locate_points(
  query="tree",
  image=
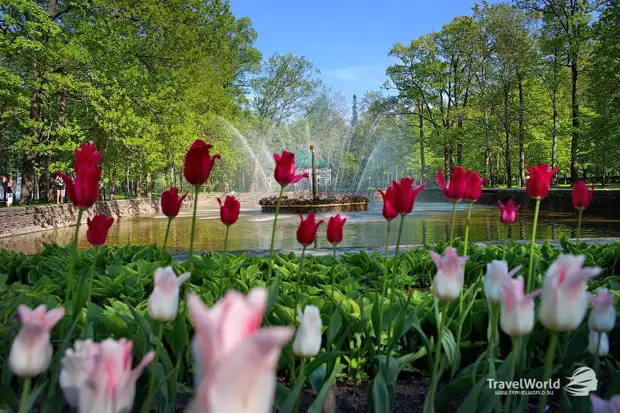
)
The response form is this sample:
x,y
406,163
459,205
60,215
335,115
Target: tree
x,y
573,16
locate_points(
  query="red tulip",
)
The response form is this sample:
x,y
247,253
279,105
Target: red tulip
x,y
508,213
229,211
84,190
455,190
306,233
473,186
335,227
582,196
405,195
98,229
389,212
198,163
537,186
171,203
285,169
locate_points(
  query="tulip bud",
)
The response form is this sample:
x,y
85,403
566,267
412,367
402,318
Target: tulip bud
x,y
31,351
163,302
284,172
537,185
229,210
389,212
605,406
603,315
497,274
97,377
448,280
405,195
581,196
564,299
198,163
306,233
473,186
171,203
593,343
98,229
308,338
83,191
508,213
457,186
335,227
517,309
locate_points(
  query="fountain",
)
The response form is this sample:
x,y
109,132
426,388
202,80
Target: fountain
x,y
316,203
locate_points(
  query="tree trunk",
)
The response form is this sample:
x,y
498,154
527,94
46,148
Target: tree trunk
x,y
459,154
554,133
521,134
574,148
148,184
127,183
173,182
28,170
422,160
446,161
139,186
507,137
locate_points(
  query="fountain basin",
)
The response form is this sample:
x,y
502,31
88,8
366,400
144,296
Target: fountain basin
x,y
346,203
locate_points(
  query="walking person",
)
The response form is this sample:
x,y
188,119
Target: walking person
x,y
60,189
10,185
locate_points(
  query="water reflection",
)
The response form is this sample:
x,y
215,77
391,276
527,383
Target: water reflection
x,y
430,223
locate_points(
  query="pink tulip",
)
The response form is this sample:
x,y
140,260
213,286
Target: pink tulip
x,y
605,406
448,280
564,299
517,309
163,302
236,359
97,377
603,315
497,275
31,351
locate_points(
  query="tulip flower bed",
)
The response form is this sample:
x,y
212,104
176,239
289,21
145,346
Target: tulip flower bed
x,y
359,318
123,281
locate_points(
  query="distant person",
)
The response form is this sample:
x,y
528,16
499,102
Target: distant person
x,y
10,185
3,188
60,189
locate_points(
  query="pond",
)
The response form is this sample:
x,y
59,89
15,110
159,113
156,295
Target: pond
x,y
429,223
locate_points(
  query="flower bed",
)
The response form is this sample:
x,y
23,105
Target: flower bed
x,y
345,203
123,280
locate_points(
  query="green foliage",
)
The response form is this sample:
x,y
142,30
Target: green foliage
x,y
124,277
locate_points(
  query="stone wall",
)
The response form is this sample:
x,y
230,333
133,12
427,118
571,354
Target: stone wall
x,y
23,220
605,202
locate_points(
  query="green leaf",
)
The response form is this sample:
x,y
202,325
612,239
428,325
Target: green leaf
x,y
335,324
380,397
319,403
293,397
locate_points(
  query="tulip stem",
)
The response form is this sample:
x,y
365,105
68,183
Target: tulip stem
x,y
579,216
453,222
335,246
516,350
226,238
532,244
542,403
275,219
163,248
300,377
73,258
505,244
301,263
191,235
25,393
467,229
393,281
494,316
387,245
597,360
443,313
146,407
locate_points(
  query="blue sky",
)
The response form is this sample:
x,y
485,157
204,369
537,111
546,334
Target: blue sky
x,y
347,40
